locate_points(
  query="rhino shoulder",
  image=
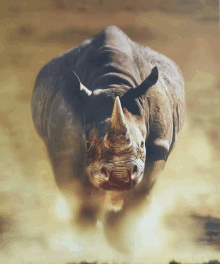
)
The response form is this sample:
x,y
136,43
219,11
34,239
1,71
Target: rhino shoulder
x,y
49,81
169,73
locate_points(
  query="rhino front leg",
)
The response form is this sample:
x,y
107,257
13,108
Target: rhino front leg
x,y
119,226
72,182
88,208
115,231
85,217
85,209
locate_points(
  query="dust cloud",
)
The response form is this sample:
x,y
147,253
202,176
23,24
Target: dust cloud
x,y
182,221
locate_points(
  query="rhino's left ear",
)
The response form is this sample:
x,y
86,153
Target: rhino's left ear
x,y
142,88
75,88
84,92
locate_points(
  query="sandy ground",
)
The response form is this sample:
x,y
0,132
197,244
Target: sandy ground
x,y
185,206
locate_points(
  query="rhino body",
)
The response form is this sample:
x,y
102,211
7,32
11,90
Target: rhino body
x,y
110,112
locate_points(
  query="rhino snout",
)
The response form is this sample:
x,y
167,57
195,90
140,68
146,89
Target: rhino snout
x,y
105,173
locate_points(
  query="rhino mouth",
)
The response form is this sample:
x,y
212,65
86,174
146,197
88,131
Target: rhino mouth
x,y
116,187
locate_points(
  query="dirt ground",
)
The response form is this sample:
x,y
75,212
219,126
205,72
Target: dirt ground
x,y
183,221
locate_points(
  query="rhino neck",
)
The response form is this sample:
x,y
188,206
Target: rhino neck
x,y
109,79
110,65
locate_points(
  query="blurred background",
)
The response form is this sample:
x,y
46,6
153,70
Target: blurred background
x,y
183,221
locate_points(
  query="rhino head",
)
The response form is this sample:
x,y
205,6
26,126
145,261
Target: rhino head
x,y
114,136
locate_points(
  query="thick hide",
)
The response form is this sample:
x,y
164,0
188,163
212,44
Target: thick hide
x,y
110,112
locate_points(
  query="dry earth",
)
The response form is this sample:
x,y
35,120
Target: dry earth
x,y
183,221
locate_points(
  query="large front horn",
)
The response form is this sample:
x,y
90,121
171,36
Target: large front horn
x,y
118,123
118,130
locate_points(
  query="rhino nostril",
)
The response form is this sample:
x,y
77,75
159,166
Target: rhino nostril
x,y
104,172
134,172
135,169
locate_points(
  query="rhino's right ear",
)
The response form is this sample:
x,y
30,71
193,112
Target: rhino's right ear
x,y
143,87
128,98
76,88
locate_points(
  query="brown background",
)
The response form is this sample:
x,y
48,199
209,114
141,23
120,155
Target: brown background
x,y
187,194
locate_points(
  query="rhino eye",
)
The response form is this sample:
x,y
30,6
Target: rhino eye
x,y
88,146
142,144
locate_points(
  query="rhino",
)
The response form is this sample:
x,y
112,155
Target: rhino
x,y
110,112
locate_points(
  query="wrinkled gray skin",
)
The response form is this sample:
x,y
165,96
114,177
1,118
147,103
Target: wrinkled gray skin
x,y
110,112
